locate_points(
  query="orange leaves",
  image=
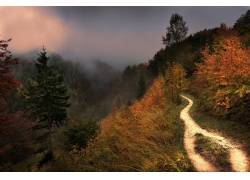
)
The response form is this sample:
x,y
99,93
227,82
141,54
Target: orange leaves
x,y
129,116
235,62
223,101
153,97
229,65
225,71
7,80
136,108
7,84
206,71
14,132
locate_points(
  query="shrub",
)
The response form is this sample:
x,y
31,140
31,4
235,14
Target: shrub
x,y
79,133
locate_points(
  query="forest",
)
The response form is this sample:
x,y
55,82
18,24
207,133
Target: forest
x,y
57,115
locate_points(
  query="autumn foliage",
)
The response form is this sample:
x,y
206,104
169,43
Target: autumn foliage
x,y
229,65
138,137
7,80
7,84
14,134
176,82
225,76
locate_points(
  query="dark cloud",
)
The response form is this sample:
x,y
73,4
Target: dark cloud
x,y
119,35
130,35
148,17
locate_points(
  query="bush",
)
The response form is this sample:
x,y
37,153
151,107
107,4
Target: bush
x,y
79,133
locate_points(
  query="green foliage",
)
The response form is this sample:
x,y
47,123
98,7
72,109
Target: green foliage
x,y
47,98
229,103
127,82
79,133
177,30
47,158
157,65
91,90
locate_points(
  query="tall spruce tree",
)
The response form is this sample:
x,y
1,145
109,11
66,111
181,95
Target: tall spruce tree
x,y
47,100
141,87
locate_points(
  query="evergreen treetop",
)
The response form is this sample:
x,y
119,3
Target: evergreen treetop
x,y
47,98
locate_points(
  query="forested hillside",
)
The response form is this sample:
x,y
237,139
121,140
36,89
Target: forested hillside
x,y
217,64
96,118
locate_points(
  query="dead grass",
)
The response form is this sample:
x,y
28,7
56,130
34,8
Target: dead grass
x,y
144,137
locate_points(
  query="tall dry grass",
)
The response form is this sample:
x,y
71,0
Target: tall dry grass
x,y
146,136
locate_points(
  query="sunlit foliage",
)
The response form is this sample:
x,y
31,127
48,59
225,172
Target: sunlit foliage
x,y
134,138
225,72
176,82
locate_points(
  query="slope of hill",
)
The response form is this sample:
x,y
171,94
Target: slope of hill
x,y
146,136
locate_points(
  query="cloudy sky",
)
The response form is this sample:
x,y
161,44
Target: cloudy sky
x,y
117,35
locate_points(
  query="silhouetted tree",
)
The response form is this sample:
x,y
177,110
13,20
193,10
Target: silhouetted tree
x,y
176,32
47,99
245,18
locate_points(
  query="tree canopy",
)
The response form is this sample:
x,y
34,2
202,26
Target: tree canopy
x,y
14,137
47,98
177,31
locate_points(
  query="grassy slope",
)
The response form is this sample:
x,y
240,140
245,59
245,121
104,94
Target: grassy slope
x,y
147,136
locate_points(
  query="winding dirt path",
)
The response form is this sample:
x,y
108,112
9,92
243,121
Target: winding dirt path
x,y
238,157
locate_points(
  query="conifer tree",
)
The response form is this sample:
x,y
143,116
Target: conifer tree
x,y
47,100
141,87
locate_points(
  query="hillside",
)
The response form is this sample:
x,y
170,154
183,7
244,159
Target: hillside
x,y
146,136
131,121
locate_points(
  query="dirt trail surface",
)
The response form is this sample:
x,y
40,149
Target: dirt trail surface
x,y
238,157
